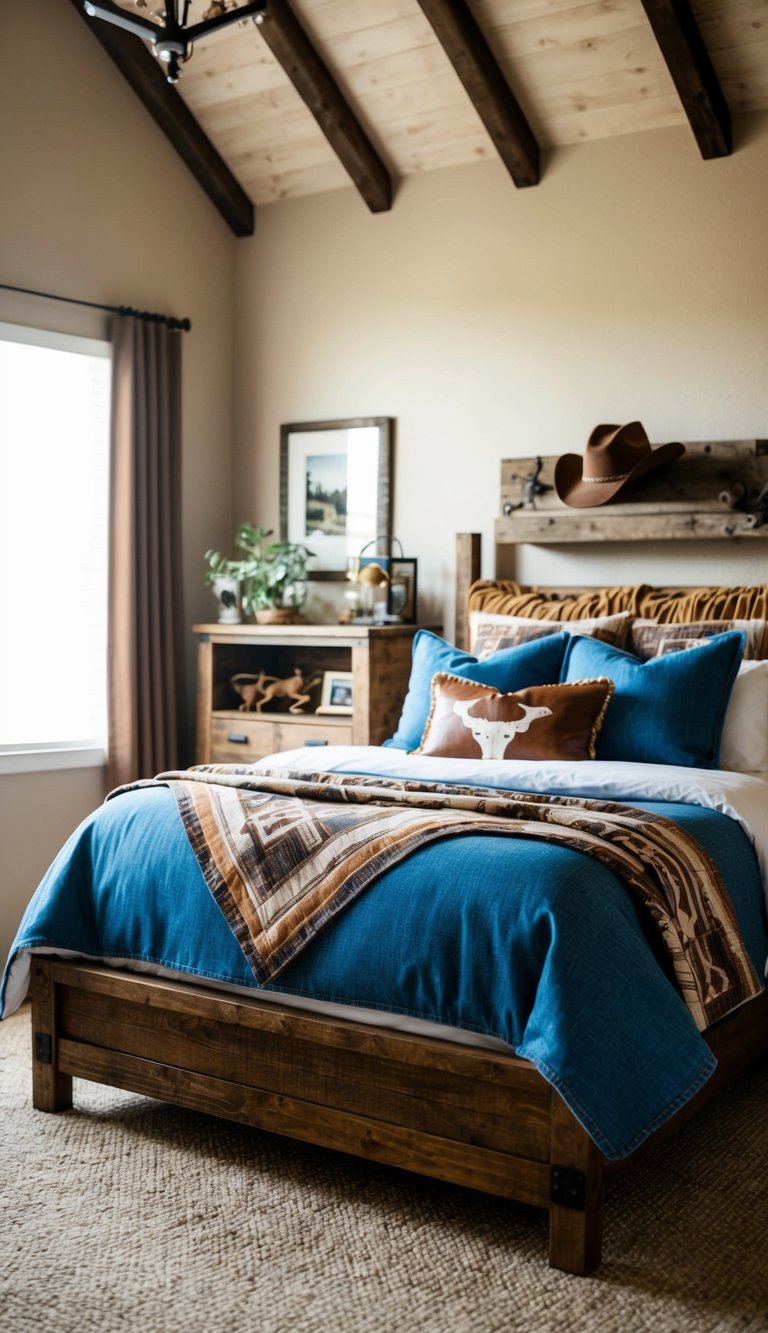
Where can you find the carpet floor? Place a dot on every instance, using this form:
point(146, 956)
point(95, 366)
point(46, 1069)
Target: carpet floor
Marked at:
point(126, 1214)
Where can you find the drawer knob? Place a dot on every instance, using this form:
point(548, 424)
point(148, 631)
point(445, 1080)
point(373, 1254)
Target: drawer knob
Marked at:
point(306, 743)
point(237, 738)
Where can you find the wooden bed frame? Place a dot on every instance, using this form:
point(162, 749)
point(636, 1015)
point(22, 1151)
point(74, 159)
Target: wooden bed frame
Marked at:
point(473, 1117)
point(477, 1118)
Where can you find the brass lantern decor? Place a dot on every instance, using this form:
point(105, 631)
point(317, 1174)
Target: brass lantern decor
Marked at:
point(383, 587)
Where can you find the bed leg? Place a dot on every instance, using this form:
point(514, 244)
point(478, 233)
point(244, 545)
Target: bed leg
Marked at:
point(51, 1090)
point(576, 1209)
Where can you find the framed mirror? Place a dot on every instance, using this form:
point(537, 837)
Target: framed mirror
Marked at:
point(335, 488)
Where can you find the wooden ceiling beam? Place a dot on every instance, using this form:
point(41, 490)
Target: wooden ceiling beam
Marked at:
point(693, 75)
point(174, 118)
point(316, 86)
point(466, 47)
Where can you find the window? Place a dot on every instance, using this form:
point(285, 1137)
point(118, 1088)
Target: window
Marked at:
point(54, 459)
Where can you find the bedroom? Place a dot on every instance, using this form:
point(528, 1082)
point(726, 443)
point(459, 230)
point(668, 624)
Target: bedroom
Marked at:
point(488, 321)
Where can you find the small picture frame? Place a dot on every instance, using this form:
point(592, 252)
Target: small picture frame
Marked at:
point(401, 593)
point(337, 692)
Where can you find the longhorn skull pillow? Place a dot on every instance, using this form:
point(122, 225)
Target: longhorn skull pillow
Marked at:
point(470, 721)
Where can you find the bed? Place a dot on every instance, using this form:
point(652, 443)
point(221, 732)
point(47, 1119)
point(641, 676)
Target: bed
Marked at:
point(424, 1026)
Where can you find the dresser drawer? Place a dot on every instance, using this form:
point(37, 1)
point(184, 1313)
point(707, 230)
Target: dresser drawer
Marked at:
point(241, 740)
point(320, 732)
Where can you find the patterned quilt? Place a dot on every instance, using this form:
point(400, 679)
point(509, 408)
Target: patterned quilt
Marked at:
point(284, 853)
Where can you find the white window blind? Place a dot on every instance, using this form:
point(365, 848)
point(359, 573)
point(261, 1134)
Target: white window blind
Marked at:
point(54, 463)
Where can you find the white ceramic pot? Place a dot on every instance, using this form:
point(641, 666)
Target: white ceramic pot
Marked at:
point(227, 594)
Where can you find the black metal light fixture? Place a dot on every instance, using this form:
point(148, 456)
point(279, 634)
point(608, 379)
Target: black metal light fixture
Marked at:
point(171, 39)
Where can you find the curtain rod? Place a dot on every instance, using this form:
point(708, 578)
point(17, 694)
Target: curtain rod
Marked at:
point(182, 325)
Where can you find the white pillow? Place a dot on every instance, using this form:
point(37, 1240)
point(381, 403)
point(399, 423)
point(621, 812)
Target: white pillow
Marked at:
point(744, 746)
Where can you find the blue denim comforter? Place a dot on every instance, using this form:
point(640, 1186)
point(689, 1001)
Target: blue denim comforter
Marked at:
point(534, 944)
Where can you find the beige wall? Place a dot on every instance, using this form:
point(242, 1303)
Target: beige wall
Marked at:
point(94, 203)
point(492, 322)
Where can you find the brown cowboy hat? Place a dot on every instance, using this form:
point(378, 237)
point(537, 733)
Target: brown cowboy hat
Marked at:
point(614, 457)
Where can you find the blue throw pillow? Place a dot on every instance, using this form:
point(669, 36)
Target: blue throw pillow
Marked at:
point(668, 710)
point(534, 663)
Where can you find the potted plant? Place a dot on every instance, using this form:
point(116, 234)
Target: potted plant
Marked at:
point(268, 581)
point(274, 574)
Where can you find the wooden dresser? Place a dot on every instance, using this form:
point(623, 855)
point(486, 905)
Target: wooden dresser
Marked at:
point(377, 656)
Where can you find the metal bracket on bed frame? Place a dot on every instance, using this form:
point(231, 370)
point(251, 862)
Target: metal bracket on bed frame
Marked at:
point(568, 1187)
point(43, 1048)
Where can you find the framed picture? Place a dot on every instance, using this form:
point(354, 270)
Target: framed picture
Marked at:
point(335, 488)
point(337, 692)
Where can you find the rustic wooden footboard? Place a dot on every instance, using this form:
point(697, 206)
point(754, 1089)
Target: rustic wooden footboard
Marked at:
point(473, 1117)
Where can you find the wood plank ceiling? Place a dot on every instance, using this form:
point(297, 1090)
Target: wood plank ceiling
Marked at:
point(328, 91)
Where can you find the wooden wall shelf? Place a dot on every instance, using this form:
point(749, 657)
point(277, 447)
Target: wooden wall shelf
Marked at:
point(688, 499)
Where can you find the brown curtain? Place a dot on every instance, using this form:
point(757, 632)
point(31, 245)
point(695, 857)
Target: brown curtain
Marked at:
point(146, 703)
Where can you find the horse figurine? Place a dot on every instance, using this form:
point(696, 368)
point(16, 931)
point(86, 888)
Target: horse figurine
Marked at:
point(295, 687)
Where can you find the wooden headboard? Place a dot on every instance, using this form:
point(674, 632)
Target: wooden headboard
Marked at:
point(718, 490)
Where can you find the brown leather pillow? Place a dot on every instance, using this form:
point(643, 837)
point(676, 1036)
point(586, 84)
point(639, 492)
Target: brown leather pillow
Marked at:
point(472, 721)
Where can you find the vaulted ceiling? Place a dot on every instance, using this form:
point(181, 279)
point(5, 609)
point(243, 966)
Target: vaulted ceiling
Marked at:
point(328, 92)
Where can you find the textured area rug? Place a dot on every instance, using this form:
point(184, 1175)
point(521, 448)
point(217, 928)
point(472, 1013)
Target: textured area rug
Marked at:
point(127, 1214)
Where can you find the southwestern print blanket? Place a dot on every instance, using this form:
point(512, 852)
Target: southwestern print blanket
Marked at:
point(283, 853)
